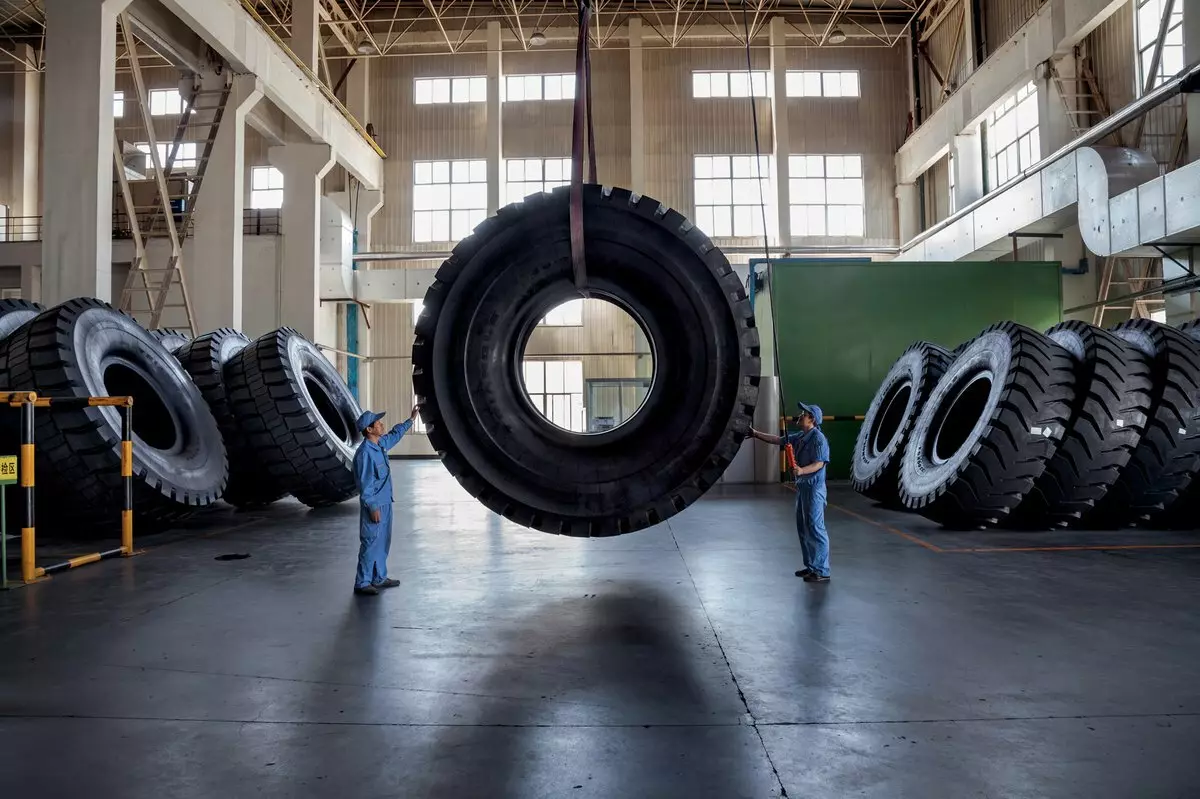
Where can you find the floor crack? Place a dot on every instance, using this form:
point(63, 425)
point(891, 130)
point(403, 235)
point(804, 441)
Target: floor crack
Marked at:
point(732, 676)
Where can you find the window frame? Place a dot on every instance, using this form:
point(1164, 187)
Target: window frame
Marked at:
point(273, 176)
point(563, 84)
point(566, 314)
point(1144, 51)
point(579, 425)
point(430, 215)
point(834, 175)
point(165, 107)
point(708, 174)
point(1023, 148)
point(756, 83)
point(559, 165)
point(455, 89)
point(118, 104)
point(798, 83)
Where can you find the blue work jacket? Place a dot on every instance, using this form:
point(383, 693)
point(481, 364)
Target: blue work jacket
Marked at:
point(809, 448)
point(372, 472)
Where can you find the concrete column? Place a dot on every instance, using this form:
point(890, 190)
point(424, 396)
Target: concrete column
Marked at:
point(908, 201)
point(26, 137)
point(495, 155)
point(305, 24)
point(213, 260)
point(303, 166)
point(967, 148)
point(1191, 54)
point(969, 45)
point(31, 282)
point(780, 134)
point(81, 52)
point(637, 108)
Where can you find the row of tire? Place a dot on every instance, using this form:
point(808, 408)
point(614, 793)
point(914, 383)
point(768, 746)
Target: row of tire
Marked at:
point(1079, 426)
point(219, 416)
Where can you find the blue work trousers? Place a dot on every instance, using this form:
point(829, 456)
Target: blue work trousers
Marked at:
point(374, 541)
point(810, 526)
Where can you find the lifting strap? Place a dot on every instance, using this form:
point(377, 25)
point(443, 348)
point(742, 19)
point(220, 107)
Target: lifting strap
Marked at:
point(582, 116)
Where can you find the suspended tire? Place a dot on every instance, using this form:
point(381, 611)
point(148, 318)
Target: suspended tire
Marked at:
point(14, 313)
point(1166, 457)
point(489, 295)
point(204, 359)
point(879, 449)
point(1108, 416)
point(296, 417)
point(988, 428)
point(84, 348)
point(171, 340)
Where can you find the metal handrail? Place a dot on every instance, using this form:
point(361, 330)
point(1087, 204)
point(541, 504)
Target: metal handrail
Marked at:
point(1114, 122)
point(325, 91)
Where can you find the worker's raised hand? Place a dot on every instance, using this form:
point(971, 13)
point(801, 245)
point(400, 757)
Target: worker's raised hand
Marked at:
point(415, 410)
point(375, 516)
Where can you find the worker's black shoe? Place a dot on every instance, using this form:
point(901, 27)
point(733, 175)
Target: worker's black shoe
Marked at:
point(816, 578)
point(388, 583)
point(367, 590)
point(804, 572)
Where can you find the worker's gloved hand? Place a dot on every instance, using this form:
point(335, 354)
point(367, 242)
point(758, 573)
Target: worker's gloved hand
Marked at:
point(375, 516)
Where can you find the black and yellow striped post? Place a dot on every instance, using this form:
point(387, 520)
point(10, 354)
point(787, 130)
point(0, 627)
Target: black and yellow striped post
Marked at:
point(127, 477)
point(29, 569)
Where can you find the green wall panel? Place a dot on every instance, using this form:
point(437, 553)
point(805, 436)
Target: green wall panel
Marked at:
point(840, 325)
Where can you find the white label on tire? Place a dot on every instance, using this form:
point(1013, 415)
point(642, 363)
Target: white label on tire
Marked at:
point(1035, 431)
point(1120, 423)
point(1183, 431)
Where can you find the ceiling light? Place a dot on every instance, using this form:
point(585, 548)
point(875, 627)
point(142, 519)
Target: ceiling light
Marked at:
point(837, 36)
point(364, 46)
point(537, 39)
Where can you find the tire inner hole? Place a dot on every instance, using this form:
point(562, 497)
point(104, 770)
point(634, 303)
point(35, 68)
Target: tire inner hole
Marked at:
point(957, 418)
point(153, 422)
point(604, 379)
point(327, 409)
point(888, 422)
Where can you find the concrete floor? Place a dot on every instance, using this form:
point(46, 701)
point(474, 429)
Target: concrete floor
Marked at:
point(685, 661)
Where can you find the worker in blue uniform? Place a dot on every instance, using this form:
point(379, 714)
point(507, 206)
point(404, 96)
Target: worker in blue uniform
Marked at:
point(811, 450)
point(373, 476)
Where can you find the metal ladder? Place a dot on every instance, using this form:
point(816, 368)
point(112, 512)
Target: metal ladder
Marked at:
point(161, 289)
point(1135, 274)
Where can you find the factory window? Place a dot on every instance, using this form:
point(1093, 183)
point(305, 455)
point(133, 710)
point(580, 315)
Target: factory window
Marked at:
point(568, 314)
point(539, 87)
point(729, 84)
point(730, 191)
point(432, 91)
point(1013, 143)
point(118, 104)
point(266, 187)
point(165, 101)
point(822, 84)
point(185, 156)
point(449, 199)
point(556, 389)
point(525, 176)
point(826, 195)
point(1149, 19)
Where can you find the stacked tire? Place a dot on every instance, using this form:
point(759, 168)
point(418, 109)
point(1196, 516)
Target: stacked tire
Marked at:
point(1077, 427)
point(217, 416)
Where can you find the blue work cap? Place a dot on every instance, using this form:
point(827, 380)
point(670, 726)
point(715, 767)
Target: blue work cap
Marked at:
point(812, 410)
point(367, 419)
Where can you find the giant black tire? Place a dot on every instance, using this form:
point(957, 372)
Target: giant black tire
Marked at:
point(879, 449)
point(171, 340)
point(1108, 416)
point(14, 313)
point(490, 294)
point(84, 348)
point(296, 414)
point(204, 359)
point(1165, 459)
point(988, 428)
